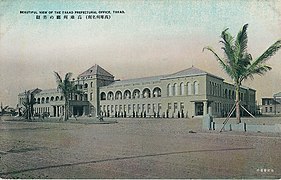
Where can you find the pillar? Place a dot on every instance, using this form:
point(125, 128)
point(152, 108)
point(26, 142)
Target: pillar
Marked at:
point(205, 108)
point(84, 111)
point(210, 110)
point(193, 109)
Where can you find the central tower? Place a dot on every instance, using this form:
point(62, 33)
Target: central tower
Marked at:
point(90, 82)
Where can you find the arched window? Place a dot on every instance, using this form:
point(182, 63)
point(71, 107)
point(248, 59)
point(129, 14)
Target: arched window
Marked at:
point(61, 98)
point(229, 94)
point(181, 89)
point(85, 85)
point(146, 93)
point(169, 90)
point(91, 84)
point(102, 96)
point(196, 87)
point(189, 90)
point(156, 92)
point(47, 100)
point(85, 97)
point(42, 100)
point(110, 95)
point(57, 98)
point(175, 89)
point(118, 95)
point(52, 98)
point(136, 94)
point(38, 100)
point(127, 94)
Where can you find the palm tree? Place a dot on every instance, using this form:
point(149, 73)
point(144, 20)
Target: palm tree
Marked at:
point(238, 63)
point(3, 109)
point(67, 88)
point(29, 105)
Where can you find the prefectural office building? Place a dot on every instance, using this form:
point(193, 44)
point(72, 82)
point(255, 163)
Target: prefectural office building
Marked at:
point(187, 93)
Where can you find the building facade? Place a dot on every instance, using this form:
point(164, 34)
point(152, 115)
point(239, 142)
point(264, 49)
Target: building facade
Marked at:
point(184, 94)
point(271, 105)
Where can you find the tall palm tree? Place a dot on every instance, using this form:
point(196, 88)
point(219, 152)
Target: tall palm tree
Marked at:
point(67, 88)
point(238, 63)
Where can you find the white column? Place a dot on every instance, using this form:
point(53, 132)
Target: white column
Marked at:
point(193, 109)
point(205, 108)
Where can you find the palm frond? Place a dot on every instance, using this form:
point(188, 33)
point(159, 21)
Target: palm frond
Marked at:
point(224, 66)
point(68, 76)
point(58, 78)
point(268, 53)
point(228, 46)
point(259, 70)
point(241, 41)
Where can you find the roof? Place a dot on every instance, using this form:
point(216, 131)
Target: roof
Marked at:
point(35, 90)
point(48, 91)
point(95, 70)
point(137, 80)
point(193, 71)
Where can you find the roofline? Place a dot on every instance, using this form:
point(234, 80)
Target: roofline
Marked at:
point(200, 74)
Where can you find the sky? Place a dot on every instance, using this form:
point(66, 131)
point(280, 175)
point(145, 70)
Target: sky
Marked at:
point(149, 38)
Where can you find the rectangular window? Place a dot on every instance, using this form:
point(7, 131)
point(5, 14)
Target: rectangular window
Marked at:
point(175, 106)
point(148, 108)
point(265, 109)
point(181, 106)
point(169, 106)
point(270, 109)
point(159, 107)
point(138, 107)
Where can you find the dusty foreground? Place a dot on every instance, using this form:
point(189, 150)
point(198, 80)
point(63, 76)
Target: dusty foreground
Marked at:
point(135, 148)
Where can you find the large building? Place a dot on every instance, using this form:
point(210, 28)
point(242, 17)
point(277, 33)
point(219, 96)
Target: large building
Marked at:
point(187, 93)
point(271, 105)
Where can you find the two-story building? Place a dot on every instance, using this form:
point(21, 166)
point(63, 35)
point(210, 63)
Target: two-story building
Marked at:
point(187, 93)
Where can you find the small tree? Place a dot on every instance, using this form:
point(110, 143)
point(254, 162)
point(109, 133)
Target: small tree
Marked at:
point(67, 88)
point(238, 63)
point(28, 104)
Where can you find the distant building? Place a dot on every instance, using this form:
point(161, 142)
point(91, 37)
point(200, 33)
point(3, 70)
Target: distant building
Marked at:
point(271, 105)
point(187, 93)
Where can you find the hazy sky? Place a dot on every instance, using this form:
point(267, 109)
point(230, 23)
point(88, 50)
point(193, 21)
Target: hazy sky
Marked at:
point(151, 38)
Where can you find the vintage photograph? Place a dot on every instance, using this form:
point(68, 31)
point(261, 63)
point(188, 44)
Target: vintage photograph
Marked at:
point(142, 89)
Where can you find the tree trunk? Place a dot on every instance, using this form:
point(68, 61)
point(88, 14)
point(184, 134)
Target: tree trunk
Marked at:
point(237, 102)
point(66, 109)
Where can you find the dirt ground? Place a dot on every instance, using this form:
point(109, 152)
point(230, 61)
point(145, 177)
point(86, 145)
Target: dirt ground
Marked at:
point(135, 148)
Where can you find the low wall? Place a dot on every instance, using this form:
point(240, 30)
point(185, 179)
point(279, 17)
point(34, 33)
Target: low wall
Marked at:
point(210, 124)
